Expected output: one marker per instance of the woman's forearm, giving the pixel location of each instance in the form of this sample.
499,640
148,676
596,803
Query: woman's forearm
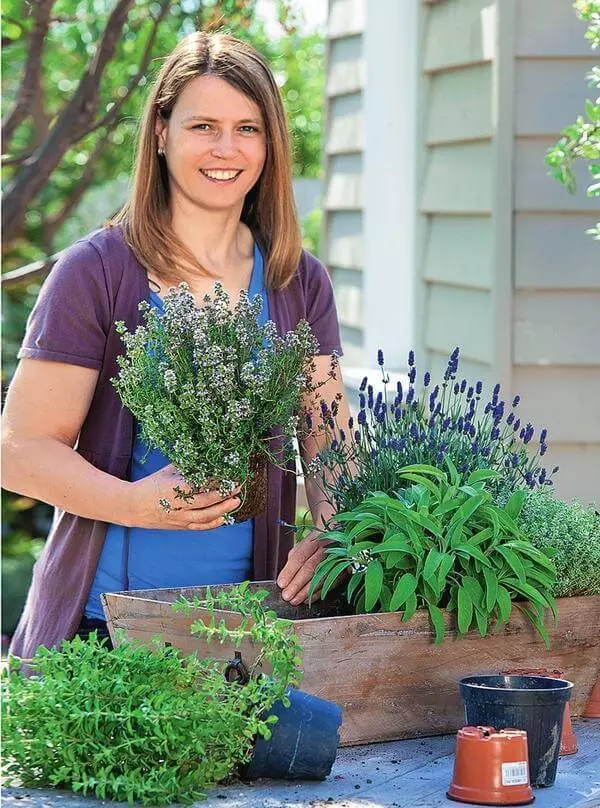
50,471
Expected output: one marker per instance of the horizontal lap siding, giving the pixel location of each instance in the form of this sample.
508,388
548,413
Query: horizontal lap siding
456,186
556,312
344,165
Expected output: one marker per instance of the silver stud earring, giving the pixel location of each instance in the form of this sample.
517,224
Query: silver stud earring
161,151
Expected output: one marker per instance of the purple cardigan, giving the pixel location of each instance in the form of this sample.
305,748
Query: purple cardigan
95,283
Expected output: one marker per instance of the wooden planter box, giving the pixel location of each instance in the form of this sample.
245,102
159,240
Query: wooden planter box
388,676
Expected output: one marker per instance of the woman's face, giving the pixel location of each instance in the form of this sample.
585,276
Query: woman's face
214,144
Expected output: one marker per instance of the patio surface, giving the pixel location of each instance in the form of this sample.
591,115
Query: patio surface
406,774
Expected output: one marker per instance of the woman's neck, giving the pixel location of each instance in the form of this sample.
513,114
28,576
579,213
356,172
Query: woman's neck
217,239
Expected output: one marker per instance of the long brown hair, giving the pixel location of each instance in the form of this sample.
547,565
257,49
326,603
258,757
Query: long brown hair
269,209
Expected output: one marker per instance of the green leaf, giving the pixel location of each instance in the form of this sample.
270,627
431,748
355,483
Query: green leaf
337,570
446,564
472,552
504,602
515,504
481,618
323,569
356,579
373,583
418,478
474,589
467,509
437,621
405,587
410,608
526,589
513,561
432,562
465,610
454,475
480,475
491,588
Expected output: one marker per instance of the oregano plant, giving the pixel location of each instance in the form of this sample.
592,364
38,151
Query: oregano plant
143,724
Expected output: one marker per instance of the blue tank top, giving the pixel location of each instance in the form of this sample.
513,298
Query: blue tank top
139,558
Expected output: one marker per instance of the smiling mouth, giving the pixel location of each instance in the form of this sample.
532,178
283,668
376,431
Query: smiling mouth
221,176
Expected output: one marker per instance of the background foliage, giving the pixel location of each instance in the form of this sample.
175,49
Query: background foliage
49,51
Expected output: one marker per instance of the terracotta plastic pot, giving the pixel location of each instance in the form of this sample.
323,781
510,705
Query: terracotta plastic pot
592,709
491,768
568,740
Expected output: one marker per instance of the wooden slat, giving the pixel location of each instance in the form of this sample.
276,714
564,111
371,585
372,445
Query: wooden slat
557,328
536,191
388,676
346,124
344,190
460,317
347,285
446,258
544,248
550,29
559,89
346,68
460,105
458,179
565,400
459,32
346,17
579,471
345,240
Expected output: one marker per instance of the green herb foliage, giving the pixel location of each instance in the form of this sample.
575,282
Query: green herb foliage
573,534
210,387
142,724
439,543
424,423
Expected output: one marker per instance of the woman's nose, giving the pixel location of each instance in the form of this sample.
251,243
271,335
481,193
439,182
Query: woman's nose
224,145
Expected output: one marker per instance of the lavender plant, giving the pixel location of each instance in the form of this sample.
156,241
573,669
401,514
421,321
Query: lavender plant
213,389
424,426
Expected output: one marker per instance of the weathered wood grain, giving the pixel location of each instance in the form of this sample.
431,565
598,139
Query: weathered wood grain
388,676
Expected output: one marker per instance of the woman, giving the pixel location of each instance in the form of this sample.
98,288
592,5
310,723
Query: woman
211,200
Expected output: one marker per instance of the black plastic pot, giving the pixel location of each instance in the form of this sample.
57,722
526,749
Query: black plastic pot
304,741
535,704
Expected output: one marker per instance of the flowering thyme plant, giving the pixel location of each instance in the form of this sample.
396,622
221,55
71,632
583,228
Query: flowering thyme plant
411,426
215,391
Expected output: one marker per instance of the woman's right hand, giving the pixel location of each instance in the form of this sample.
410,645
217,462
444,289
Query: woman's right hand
201,512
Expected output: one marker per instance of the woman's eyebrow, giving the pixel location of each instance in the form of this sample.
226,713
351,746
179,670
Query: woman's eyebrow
216,120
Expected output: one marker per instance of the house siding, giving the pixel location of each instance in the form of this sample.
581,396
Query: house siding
506,269
342,249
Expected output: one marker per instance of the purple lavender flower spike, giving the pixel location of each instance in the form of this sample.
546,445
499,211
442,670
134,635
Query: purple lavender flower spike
469,393
516,400
543,449
414,432
542,477
399,391
515,460
334,445
426,378
380,361
456,389
495,433
309,421
363,384
439,457
555,469
475,447
446,423
357,436
463,385
398,414
410,395
350,422
543,435
342,436
362,417
362,401
516,425
411,359
511,418
412,375
529,430
478,388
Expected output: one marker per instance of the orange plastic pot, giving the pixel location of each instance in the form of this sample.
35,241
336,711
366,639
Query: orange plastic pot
592,709
568,739
491,768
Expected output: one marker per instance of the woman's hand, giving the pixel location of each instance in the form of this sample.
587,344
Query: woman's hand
294,579
201,512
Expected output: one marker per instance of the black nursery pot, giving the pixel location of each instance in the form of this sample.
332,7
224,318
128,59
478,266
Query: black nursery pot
304,741
535,704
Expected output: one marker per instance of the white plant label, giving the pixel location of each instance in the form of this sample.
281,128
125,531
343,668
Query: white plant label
515,774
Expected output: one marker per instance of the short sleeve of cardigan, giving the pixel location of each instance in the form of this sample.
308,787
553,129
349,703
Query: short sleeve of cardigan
71,318
320,308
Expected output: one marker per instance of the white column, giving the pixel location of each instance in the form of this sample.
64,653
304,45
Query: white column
390,120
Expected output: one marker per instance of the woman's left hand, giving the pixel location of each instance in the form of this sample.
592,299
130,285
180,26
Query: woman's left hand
294,579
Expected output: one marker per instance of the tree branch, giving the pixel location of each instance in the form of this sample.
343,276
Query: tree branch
31,76
114,110
51,225
29,273
75,116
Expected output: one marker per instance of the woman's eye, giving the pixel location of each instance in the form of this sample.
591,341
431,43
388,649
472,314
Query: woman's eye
251,128
200,125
